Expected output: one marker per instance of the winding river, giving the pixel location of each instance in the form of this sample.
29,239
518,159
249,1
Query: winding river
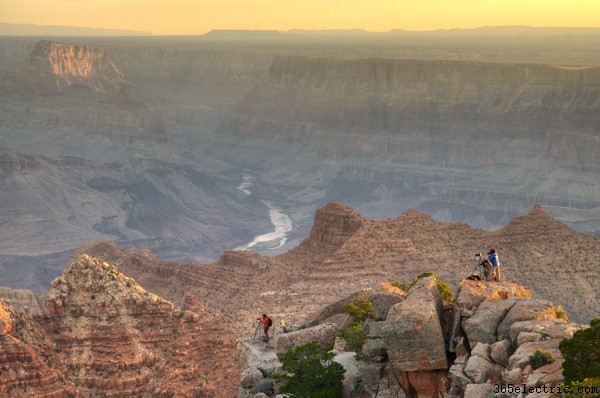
281,222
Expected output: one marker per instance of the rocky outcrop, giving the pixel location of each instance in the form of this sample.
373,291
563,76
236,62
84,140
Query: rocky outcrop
23,372
321,335
412,331
383,297
497,327
333,225
6,317
69,64
22,299
102,333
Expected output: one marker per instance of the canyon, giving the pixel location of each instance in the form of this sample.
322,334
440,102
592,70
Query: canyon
127,323
145,141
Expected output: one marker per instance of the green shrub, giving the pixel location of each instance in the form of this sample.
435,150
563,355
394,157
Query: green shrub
265,386
561,313
587,388
443,288
540,358
360,310
309,372
354,337
582,354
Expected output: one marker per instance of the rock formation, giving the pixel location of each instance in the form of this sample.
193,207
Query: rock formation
21,299
392,134
102,333
406,356
69,64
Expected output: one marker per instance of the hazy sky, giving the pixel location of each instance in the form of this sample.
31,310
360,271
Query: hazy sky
200,16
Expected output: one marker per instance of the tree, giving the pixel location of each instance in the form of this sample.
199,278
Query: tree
582,353
310,372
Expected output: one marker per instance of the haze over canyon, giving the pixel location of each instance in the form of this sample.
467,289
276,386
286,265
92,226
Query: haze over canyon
192,145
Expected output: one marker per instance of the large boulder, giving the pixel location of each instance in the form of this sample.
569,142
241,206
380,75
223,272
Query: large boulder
482,326
501,352
480,368
479,390
426,289
545,328
321,334
472,293
348,361
520,359
338,307
525,310
550,375
250,378
424,383
413,336
383,297
379,380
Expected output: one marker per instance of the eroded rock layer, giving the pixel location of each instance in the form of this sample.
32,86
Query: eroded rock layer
102,333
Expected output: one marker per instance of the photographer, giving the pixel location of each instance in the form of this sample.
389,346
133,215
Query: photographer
266,323
495,269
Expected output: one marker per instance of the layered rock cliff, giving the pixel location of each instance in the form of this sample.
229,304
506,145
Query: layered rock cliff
69,64
348,251
455,139
21,299
67,93
102,333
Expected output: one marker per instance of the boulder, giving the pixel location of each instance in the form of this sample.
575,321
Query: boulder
338,307
501,352
250,378
527,337
413,336
482,326
459,377
426,289
348,361
550,374
379,380
472,293
525,310
374,329
544,328
479,390
342,321
480,369
424,383
514,376
383,297
374,349
321,334
521,356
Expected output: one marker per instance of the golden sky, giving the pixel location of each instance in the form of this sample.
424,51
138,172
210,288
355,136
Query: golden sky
200,16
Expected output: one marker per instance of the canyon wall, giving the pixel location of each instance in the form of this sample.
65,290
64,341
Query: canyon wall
471,141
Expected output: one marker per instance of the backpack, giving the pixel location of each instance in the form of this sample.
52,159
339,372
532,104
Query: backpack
270,322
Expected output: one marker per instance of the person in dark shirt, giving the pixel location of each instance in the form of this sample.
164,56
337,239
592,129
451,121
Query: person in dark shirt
495,269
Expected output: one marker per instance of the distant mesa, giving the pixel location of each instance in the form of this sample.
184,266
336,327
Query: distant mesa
64,65
9,29
226,34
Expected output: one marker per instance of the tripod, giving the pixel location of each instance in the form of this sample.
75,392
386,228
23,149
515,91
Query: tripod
480,269
258,324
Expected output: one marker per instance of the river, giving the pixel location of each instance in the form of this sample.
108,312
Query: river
282,224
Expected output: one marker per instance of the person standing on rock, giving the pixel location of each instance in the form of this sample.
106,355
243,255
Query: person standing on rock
266,322
494,273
